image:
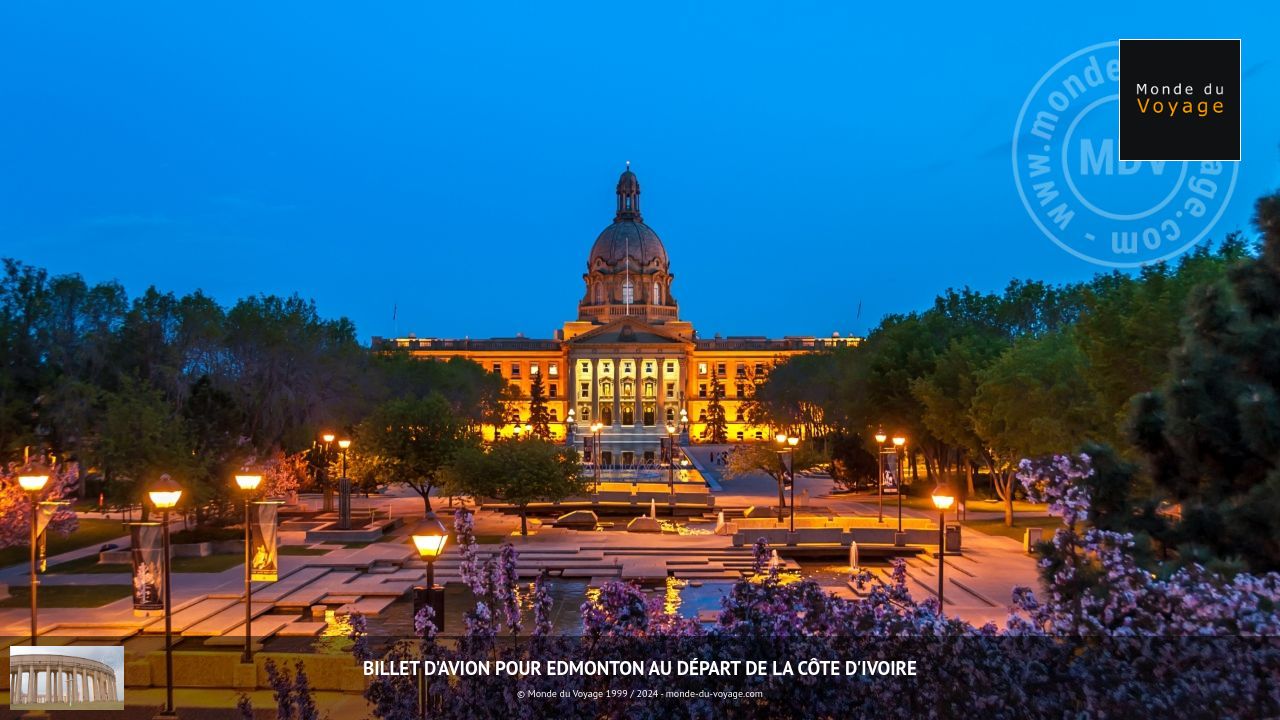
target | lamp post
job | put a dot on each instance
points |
(569, 421)
(33, 483)
(788, 451)
(327, 499)
(684, 425)
(164, 496)
(671, 466)
(898, 442)
(248, 483)
(344, 489)
(429, 540)
(595, 431)
(942, 501)
(880, 438)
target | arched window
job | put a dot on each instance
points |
(599, 290)
(657, 293)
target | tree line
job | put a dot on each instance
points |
(162, 383)
(1168, 377)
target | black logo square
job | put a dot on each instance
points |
(1179, 100)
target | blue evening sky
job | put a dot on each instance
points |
(458, 159)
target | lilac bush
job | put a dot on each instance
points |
(1104, 637)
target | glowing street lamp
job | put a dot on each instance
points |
(942, 500)
(596, 428)
(33, 482)
(880, 438)
(899, 441)
(164, 496)
(569, 420)
(248, 483)
(429, 540)
(787, 443)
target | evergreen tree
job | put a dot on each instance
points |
(717, 430)
(539, 416)
(1211, 434)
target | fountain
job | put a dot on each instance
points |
(720, 522)
(853, 557)
(653, 509)
(775, 562)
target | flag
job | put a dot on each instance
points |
(148, 568)
(262, 541)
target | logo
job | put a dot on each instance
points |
(1180, 100)
(1082, 196)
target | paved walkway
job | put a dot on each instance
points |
(369, 578)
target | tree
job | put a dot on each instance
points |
(140, 437)
(412, 441)
(1033, 400)
(518, 472)
(717, 429)
(1210, 436)
(748, 458)
(539, 416)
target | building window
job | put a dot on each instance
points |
(606, 414)
(740, 390)
(648, 367)
(628, 415)
(759, 368)
(497, 368)
(515, 370)
(534, 368)
(606, 389)
(739, 434)
(586, 368)
(584, 390)
(657, 293)
(702, 389)
(553, 369)
(671, 368)
(553, 390)
(671, 415)
(650, 415)
(737, 416)
(552, 413)
(628, 389)
(742, 369)
(626, 367)
(671, 391)
(628, 457)
(606, 457)
(720, 369)
(584, 413)
(648, 457)
(515, 388)
(650, 389)
(702, 369)
(702, 416)
(759, 435)
(606, 367)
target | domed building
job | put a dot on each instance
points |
(628, 362)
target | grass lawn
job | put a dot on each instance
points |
(208, 564)
(90, 532)
(301, 550)
(66, 596)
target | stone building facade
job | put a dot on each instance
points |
(65, 679)
(628, 361)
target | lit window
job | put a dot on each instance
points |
(534, 368)
(585, 390)
(586, 368)
(702, 369)
(737, 416)
(553, 369)
(739, 434)
(648, 368)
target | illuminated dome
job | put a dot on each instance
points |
(628, 272)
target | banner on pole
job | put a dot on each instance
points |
(262, 541)
(148, 565)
